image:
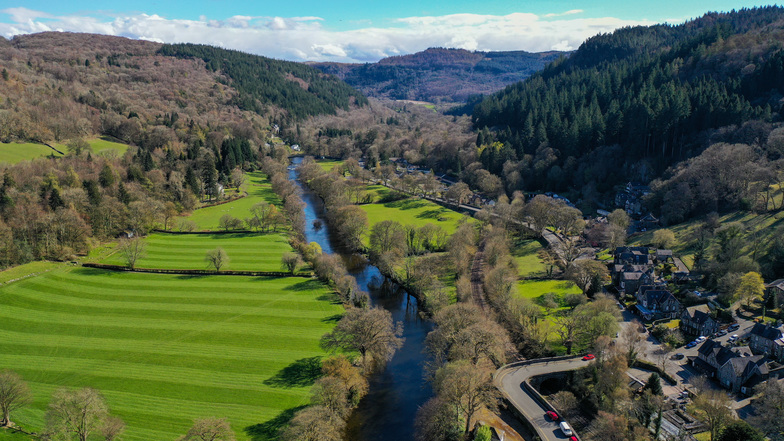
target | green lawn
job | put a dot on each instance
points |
(329, 164)
(106, 143)
(526, 253)
(10, 435)
(413, 211)
(247, 252)
(15, 152)
(27, 270)
(167, 349)
(532, 289)
(258, 188)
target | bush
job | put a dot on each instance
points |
(483, 433)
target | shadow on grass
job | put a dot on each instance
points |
(406, 204)
(333, 318)
(85, 271)
(301, 373)
(308, 285)
(431, 214)
(268, 431)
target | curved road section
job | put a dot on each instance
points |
(512, 381)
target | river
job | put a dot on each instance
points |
(389, 409)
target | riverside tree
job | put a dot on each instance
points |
(371, 332)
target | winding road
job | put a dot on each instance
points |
(510, 381)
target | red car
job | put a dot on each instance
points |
(552, 415)
(573, 438)
(588, 357)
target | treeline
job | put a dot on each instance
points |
(633, 101)
(261, 81)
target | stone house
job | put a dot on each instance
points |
(655, 301)
(696, 320)
(768, 340)
(775, 290)
(736, 368)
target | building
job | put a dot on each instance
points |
(768, 340)
(775, 290)
(696, 320)
(655, 302)
(736, 368)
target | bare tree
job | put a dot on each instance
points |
(217, 258)
(769, 410)
(209, 429)
(468, 387)
(291, 261)
(132, 250)
(112, 428)
(14, 394)
(76, 413)
(435, 421)
(238, 178)
(633, 341)
(371, 332)
(314, 423)
(714, 408)
(585, 273)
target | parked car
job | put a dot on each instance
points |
(588, 357)
(733, 327)
(700, 339)
(573, 438)
(691, 344)
(566, 429)
(552, 415)
(722, 333)
(733, 338)
(678, 356)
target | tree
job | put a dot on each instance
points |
(76, 413)
(169, 212)
(14, 394)
(633, 340)
(340, 367)
(769, 410)
(437, 420)
(351, 223)
(463, 333)
(112, 428)
(459, 193)
(663, 238)
(740, 430)
(314, 423)
(238, 178)
(229, 222)
(584, 273)
(371, 332)
(77, 146)
(619, 218)
(387, 236)
(291, 261)
(467, 387)
(483, 433)
(714, 408)
(132, 250)
(751, 287)
(209, 429)
(217, 258)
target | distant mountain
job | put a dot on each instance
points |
(440, 75)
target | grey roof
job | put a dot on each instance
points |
(776, 284)
(767, 332)
(699, 313)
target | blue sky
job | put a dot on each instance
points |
(352, 30)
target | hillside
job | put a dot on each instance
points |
(440, 75)
(57, 86)
(627, 105)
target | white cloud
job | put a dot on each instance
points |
(569, 12)
(306, 38)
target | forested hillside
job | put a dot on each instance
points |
(440, 75)
(627, 105)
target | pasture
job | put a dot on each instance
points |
(15, 152)
(258, 189)
(526, 253)
(247, 252)
(414, 211)
(167, 349)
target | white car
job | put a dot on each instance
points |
(700, 339)
(565, 428)
(733, 338)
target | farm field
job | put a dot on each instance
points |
(258, 188)
(413, 211)
(167, 349)
(247, 252)
(329, 164)
(15, 152)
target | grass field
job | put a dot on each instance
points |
(532, 289)
(526, 253)
(247, 252)
(9, 435)
(106, 143)
(413, 211)
(329, 164)
(166, 349)
(15, 152)
(258, 189)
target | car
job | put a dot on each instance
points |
(691, 345)
(566, 429)
(589, 357)
(552, 415)
(700, 339)
(733, 327)
(733, 338)
(722, 333)
(573, 438)
(678, 356)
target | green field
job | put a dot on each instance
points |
(258, 189)
(106, 143)
(329, 164)
(529, 264)
(247, 252)
(9, 435)
(413, 211)
(533, 289)
(167, 349)
(15, 152)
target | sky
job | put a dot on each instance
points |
(354, 31)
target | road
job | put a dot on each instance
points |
(509, 379)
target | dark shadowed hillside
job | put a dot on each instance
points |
(440, 75)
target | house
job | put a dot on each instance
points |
(657, 302)
(775, 289)
(696, 320)
(735, 368)
(632, 255)
(630, 198)
(663, 256)
(649, 221)
(741, 374)
(768, 340)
